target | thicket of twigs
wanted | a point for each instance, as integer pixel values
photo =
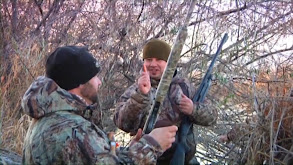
(252, 78)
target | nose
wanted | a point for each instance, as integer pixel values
(99, 81)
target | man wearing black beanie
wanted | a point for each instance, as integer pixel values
(71, 67)
(62, 105)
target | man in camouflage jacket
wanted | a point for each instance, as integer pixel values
(134, 105)
(63, 111)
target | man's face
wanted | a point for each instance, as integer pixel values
(90, 89)
(155, 67)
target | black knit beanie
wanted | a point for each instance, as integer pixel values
(70, 66)
(156, 48)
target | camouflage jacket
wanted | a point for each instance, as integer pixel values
(62, 132)
(133, 108)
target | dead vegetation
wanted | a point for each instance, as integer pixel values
(252, 78)
(261, 125)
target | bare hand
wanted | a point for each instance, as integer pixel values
(223, 138)
(186, 105)
(144, 82)
(165, 136)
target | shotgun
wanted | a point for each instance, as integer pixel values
(182, 147)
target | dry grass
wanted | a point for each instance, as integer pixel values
(22, 73)
(260, 114)
(259, 138)
(256, 30)
(269, 124)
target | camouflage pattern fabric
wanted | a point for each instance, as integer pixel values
(8, 157)
(133, 108)
(62, 131)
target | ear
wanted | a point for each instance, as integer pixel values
(76, 90)
(80, 87)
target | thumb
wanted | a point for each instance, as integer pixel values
(183, 95)
(138, 134)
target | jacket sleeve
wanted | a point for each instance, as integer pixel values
(89, 145)
(131, 110)
(145, 151)
(204, 114)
